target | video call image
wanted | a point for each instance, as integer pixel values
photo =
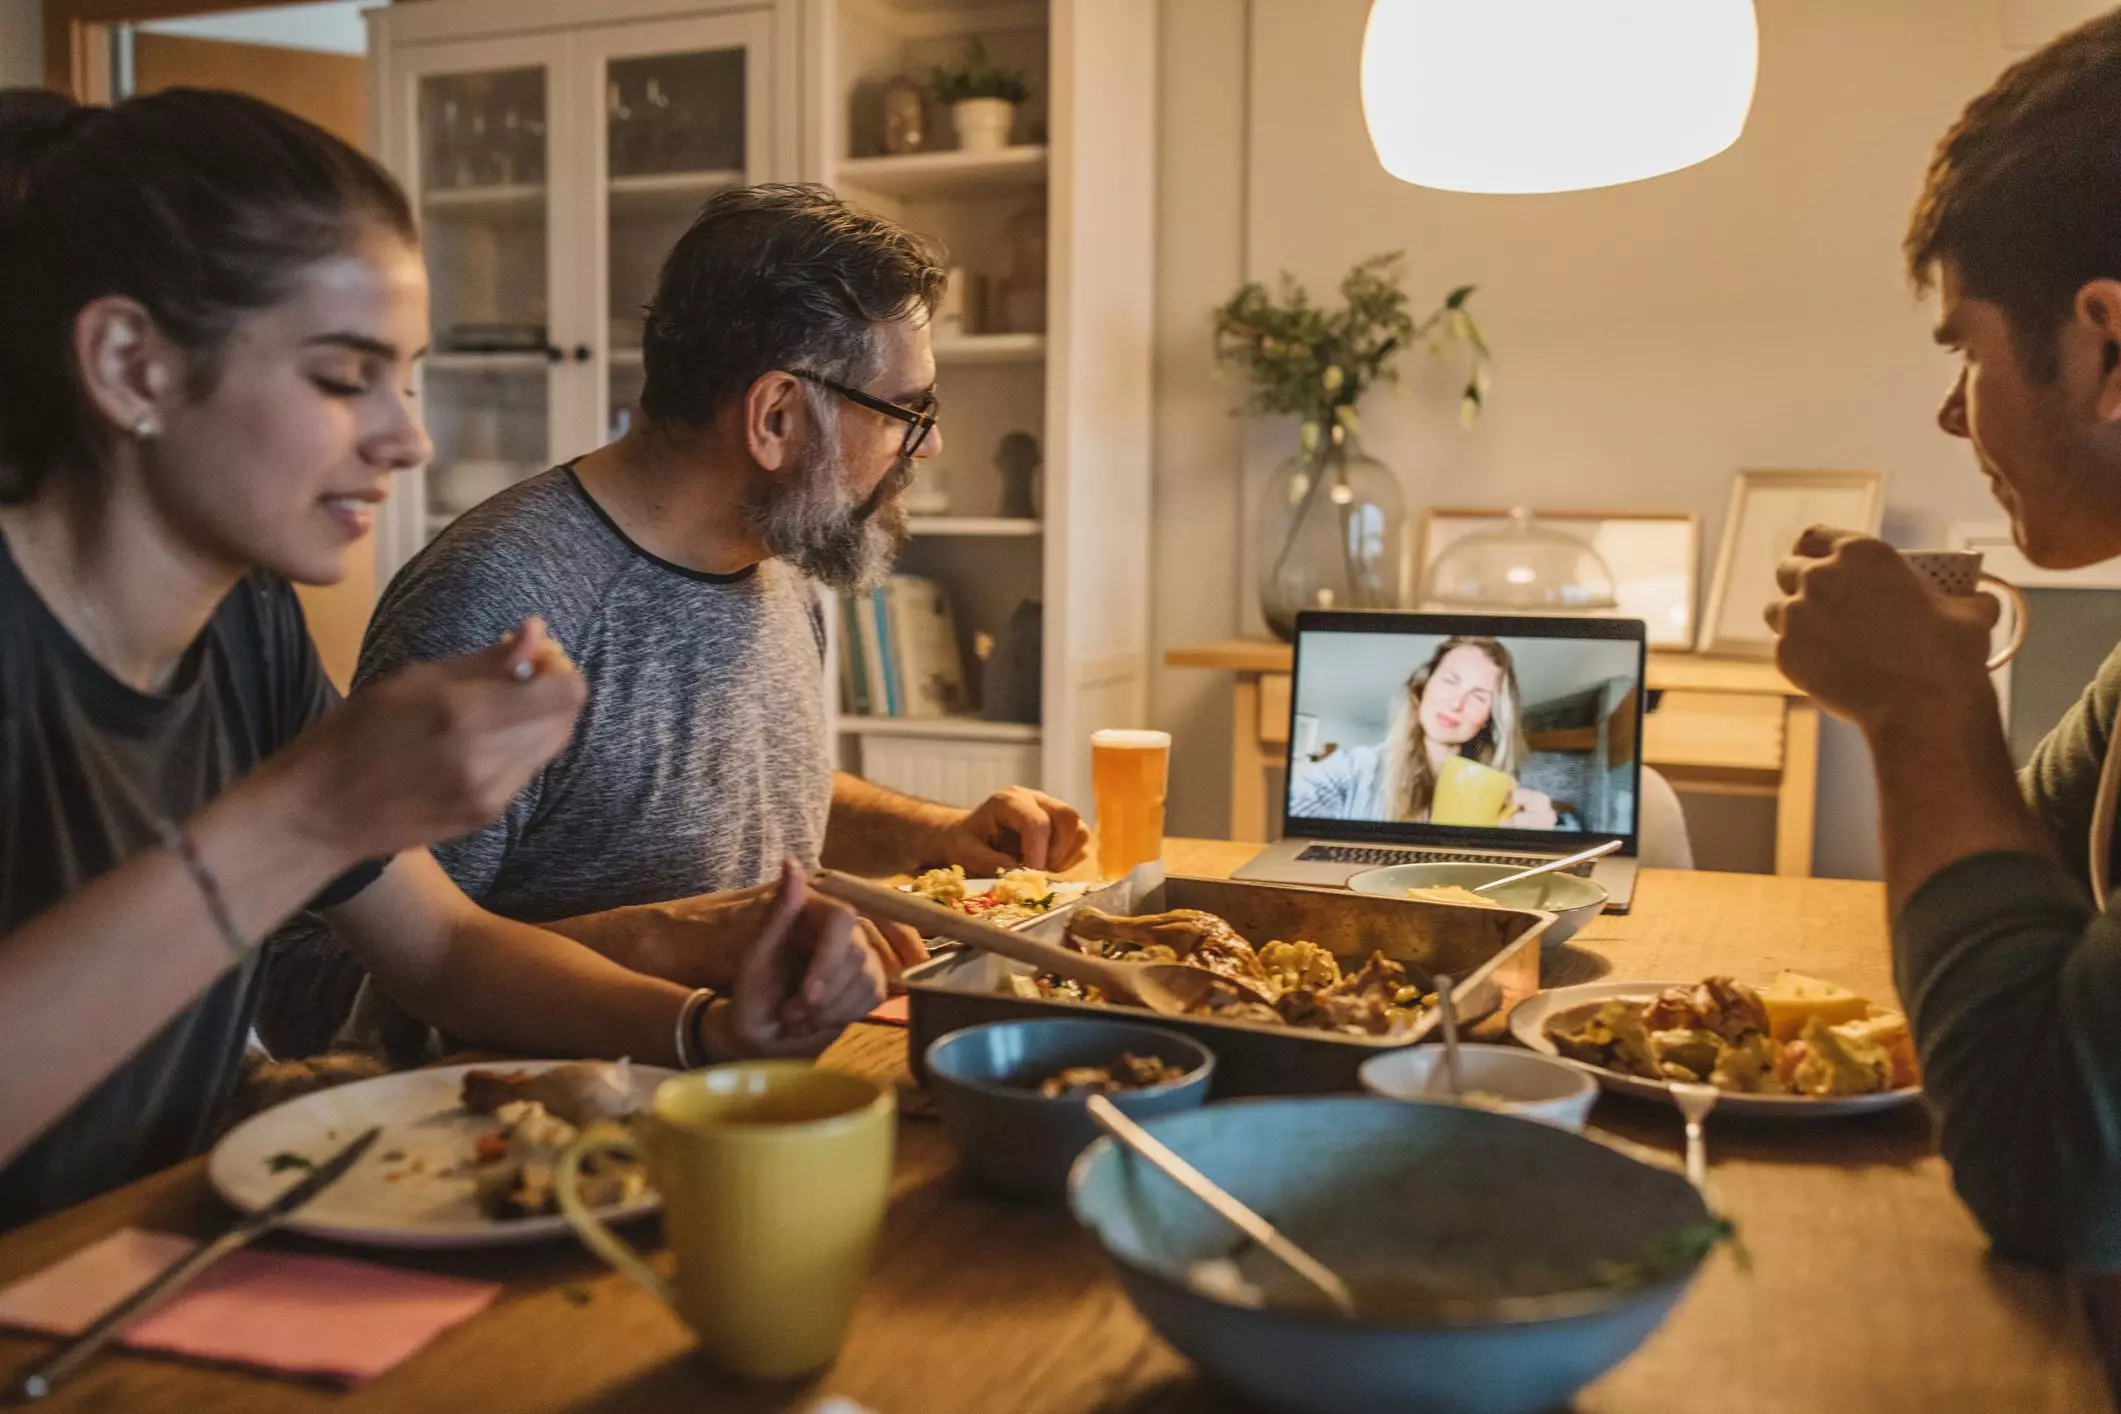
(1510, 733)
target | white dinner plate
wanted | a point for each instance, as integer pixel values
(426, 1128)
(1528, 1025)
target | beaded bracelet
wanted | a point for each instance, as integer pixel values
(179, 842)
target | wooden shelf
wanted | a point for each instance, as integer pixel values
(991, 348)
(974, 525)
(947, 173)
(516, 199)
(516, 364)
(947, 728)
(668, 193)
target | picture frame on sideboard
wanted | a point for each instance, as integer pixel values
(1768, 511)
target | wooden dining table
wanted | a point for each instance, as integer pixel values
(1869, 1289)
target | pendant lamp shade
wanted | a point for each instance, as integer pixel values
(1554, 95)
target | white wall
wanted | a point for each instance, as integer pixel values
(1649, 339)
(1199, 450)
(21, 43)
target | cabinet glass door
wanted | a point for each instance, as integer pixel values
(685, 116)
(480, 164)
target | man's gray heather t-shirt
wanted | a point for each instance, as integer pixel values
(699, 761)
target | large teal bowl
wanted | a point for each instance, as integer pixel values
(1369, 1186)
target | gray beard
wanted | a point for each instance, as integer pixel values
(808, 519)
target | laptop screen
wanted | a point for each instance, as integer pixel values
(1479, 729)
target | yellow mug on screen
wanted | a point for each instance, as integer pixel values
(1469, 793)
(774, 1176)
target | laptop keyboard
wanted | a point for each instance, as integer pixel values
(1376, 855)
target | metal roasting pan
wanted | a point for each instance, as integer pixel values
(1491, 953)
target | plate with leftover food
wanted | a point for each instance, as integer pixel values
(1800, 1047)
(465, 1158)
(1018, 897)
(1279, 983)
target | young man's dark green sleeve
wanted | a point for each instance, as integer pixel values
(2013, 989)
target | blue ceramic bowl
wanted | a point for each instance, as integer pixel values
(1013, 1139)
(1388, 1193)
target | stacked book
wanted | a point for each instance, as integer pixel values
(899, 653)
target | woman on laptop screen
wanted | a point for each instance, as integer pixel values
(1452, 755)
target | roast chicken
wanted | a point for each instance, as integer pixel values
(1182, 935)
(1305, 980)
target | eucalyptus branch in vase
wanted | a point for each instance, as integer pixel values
(1303, 360)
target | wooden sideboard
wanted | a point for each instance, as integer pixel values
(1722, 726)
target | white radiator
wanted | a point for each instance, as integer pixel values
(950, 772)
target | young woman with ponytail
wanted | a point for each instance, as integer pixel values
(209, 315)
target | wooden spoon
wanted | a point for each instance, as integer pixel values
(1167, 988)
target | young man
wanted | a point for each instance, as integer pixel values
(790, 385)
(2011, 974)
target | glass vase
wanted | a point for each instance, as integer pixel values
(1331, 535)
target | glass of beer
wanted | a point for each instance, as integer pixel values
(1129, 771)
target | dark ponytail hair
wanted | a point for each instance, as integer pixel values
(202, 206)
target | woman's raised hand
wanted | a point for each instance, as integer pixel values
(1530, 810)
(437, 750)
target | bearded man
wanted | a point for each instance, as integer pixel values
(790, 387)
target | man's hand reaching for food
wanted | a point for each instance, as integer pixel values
(1017, 828)
(702, 941)
(876, 831)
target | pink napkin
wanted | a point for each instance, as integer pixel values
(892, 1011)
(329, 1316)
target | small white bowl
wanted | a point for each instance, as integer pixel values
(1507, 1079)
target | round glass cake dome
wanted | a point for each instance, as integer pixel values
(1522, 567)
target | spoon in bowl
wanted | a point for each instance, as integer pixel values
(1166, 988)
(1594, 852)
(1125, 1131)
(1454, 1081)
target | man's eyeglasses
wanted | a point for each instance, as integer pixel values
(919, 421)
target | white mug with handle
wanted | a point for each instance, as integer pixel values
(1955, 573)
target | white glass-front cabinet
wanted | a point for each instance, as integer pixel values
(555, 152)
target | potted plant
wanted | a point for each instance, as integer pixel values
(1332, 529)
(982, 98)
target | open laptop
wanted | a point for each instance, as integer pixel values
(1521, 745)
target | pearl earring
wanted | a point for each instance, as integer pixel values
(146, 427)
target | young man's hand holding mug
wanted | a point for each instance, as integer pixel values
(1867, 633)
